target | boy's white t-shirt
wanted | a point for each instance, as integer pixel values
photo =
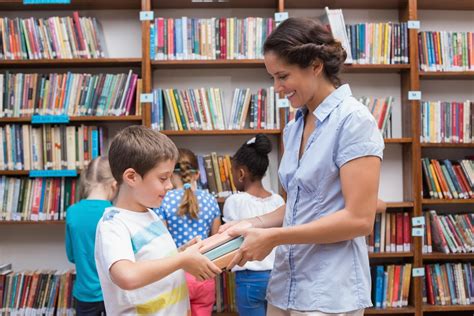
(127, 235)
(243, 205)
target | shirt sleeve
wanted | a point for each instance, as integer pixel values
(114, 240)
(69, 248)
(358, 137)
(229, 213)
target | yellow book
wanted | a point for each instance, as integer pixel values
(435, 178)
(175, 109)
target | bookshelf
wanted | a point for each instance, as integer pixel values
(401, 175)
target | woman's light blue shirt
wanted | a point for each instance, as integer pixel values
(331, 278)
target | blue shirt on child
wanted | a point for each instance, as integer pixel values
(81, 224)
(331, 278)
(184, 228)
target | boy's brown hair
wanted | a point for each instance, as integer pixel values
(140, 148)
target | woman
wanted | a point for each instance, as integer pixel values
(330, 170)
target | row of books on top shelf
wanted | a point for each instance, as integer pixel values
(447, 122)
(211, 38)
(50, 38)
(452, 233)
(36, 199)
(391, 233)
(446, 179)
(203, 109)
(446, 51)
(72, 94)
(49, 147)
(391, 285)
(40, 292)
(448, 284)
(378, 43)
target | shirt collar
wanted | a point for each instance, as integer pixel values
(328, 105)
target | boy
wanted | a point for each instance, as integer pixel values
(139, 267)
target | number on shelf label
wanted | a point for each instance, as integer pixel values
(417, 232)
(414, 95)
(281, 16)
(283, 103)
(413, 24)
(417, 221)
(418, 272)
(146, 15)
(146, 97)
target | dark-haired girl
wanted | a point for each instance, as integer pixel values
(330, 170)
(249, 165)
(189, 213)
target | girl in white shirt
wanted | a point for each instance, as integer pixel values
(249, 165)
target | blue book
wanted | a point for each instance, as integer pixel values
(224, 248)
(379, 286)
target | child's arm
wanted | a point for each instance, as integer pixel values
(130, 275)
(69, 251)
(215, 226)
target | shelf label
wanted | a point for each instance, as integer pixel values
(146, 15)
(46, 1)
(50, 119)
(146, 97)
(413, 24)
(281, 16)
(283, 103)
(417, 232)
(417, 221)
(418, 272)
(52, 173)
(414, 95)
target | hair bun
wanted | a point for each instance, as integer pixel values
(262, 144)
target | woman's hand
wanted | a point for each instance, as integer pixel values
(257, 245)
(228, 225)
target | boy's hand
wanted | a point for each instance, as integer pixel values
(193, 241)
(198, 265)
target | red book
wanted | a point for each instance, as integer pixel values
(429, 286)
(399, 234)
(406, 232)
(396, 285)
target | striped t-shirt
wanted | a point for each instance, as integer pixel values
(135, 236)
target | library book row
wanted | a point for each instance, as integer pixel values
(72, 94)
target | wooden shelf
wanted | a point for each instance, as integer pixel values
(32, 222)
(443, 256)
(388, 311)
(390, 255)
(129, 118)
(447, 145)
(222, 132)
(216, 4)
(403, 140)
(72, 63)
(447, 308)
(345, 4)
(447, 75)
(441, 202)
(207, 64)
(367, 68)
(399, 204)
(445, 5)
(75, 5)
(14, 172)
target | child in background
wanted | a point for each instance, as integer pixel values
(189, 213)
(139, 266)
(96, 188)
(249, 165)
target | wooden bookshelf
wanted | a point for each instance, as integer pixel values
(390, 311)
(32, 222)
(222, 132)
(72, 63)
(403, 140)
(447, 145)
(399, 204)
(75, 5)
(447, 75)
(445, 5)
(14, 172)
(208, 64)
(436, 256)
(128, 118)
(370, 68)
(390, 255)
(442, 202)
(447, 308)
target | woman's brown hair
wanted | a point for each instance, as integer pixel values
(303, 41)
(186, 167)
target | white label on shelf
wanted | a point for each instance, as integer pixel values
(146, 97)
(414, 95)
(417, 221)
(418, 272)
(281, 16)
(146, 15)
(417, 232)
(413, 24)
(283, 103)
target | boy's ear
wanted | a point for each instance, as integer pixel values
(130, 176)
